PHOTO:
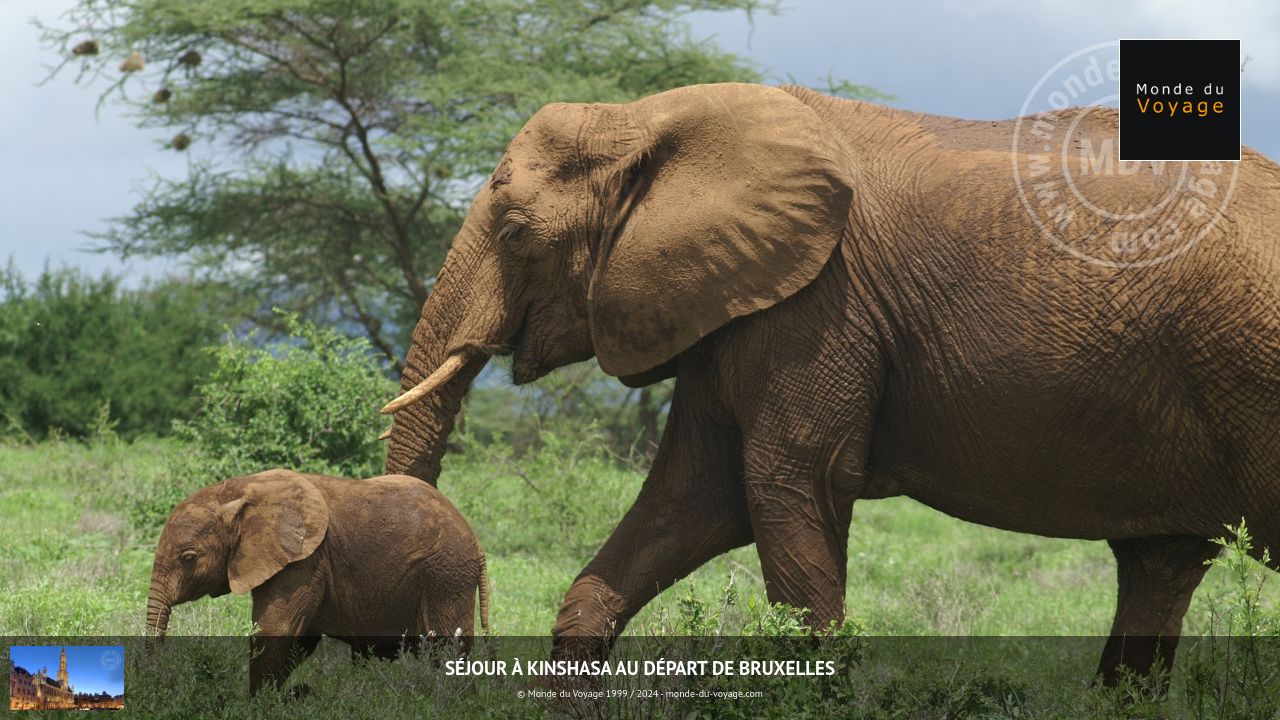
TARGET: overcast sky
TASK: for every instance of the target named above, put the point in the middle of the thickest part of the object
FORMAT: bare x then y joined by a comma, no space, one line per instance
63,172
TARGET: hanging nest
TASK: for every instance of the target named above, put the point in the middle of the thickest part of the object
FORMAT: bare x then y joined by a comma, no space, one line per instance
88,47
190,58
162,96
133,63
181,141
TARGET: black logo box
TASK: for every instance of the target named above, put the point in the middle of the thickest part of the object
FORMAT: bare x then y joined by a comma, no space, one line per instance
1157,73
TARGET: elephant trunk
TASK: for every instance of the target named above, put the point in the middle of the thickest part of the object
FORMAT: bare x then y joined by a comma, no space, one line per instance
451,344
157,614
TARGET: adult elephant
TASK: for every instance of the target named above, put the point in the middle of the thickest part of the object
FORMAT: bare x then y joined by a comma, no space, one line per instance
855,304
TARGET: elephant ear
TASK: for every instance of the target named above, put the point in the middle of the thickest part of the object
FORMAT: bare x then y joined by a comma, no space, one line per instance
733,200
276,517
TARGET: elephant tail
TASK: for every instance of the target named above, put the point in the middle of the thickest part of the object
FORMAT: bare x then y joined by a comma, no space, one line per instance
483,592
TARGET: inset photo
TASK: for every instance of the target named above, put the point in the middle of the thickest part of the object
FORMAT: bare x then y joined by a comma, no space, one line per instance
72,677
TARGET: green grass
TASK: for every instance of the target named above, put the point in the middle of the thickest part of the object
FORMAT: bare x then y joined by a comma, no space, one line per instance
73,562
76,543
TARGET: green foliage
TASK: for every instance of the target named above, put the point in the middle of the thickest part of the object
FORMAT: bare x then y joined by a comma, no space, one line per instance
78,353
761,631
1243,608
309,405
70,563
361,126
1234,669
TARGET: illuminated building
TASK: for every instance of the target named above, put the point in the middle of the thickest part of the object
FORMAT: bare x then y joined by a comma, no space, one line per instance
38,691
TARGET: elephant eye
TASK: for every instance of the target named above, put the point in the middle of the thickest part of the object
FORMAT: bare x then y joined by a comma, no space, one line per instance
509,233
188,557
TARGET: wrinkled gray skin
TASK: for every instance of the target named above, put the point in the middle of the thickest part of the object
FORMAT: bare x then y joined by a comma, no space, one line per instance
855,304
366,561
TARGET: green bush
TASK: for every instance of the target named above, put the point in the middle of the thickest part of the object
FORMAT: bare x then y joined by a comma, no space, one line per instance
309,403
1232,670
71,345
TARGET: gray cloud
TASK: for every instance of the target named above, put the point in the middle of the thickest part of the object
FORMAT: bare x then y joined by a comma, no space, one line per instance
979,59
65,173
61,171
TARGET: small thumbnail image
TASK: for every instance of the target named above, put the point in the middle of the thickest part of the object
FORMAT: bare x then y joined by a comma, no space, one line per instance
70,677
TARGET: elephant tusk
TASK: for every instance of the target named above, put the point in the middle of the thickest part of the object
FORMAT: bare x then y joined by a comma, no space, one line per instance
386,433
442,375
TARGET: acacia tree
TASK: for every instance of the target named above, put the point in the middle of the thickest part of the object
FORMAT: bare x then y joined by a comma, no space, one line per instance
336,142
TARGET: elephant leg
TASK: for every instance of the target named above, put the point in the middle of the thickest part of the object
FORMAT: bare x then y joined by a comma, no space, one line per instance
805,465
690,509
388,650
447,619
450,614
801,527
1156,578
283,609
276,657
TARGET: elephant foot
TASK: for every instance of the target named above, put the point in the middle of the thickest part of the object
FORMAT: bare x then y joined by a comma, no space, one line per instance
592,615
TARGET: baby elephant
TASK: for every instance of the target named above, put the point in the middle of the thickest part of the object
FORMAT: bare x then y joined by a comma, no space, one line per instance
366,561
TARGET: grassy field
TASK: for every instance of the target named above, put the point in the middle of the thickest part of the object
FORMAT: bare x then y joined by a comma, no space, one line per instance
73,561
77,528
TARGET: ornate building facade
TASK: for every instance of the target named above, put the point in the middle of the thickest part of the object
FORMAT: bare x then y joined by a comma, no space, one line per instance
39,691
101,701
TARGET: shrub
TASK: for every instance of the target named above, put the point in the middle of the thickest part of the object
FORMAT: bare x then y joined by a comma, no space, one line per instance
71,345
1232,669
309,403
757,630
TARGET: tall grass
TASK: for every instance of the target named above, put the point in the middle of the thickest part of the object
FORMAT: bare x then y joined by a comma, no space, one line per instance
74,560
